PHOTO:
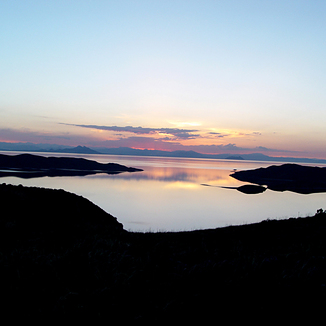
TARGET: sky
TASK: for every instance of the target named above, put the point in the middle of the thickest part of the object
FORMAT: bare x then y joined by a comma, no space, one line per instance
223,76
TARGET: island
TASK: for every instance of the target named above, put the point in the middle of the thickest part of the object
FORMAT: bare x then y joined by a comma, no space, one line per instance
32,166
64,258
292,177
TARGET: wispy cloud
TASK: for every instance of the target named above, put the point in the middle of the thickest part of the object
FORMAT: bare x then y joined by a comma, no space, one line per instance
217,135
177,133
230,133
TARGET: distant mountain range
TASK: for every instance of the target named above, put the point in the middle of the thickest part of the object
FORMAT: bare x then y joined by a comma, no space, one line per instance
31,147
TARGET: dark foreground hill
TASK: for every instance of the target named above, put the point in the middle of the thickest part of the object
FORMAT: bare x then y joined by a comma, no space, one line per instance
62,257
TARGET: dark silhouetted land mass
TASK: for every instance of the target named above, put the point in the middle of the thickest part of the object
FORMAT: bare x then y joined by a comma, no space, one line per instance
64,258
31,166
292,177
248,189
251,189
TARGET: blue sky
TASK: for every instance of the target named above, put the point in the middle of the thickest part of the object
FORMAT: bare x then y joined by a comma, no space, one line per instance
202,75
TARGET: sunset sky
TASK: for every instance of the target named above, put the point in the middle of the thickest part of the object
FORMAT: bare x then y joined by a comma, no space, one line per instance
211,76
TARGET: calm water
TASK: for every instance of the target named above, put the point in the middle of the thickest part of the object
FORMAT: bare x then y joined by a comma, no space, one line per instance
169,194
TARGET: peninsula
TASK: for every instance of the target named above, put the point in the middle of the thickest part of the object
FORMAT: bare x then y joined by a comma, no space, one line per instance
31,166
292,177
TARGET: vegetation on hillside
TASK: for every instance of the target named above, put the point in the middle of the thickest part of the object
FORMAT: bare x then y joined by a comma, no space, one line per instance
63,257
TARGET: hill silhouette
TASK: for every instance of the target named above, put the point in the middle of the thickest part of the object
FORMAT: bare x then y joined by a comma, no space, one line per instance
292,177
30,166
63,258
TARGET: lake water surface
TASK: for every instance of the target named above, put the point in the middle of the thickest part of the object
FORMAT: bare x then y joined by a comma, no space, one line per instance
171,194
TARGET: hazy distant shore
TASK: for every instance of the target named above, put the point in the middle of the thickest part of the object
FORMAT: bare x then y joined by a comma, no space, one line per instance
62,256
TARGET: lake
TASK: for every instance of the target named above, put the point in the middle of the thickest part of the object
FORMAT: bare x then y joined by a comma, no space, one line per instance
172,194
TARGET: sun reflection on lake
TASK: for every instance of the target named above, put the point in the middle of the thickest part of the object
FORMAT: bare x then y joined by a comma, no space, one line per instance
183,185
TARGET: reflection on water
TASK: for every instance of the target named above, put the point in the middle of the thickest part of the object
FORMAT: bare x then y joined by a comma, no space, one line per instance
172,174
169,194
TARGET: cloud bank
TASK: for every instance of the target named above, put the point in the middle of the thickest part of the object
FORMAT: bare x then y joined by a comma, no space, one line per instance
175,132
168,139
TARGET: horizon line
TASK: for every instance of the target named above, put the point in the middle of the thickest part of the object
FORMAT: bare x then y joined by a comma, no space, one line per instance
236,156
